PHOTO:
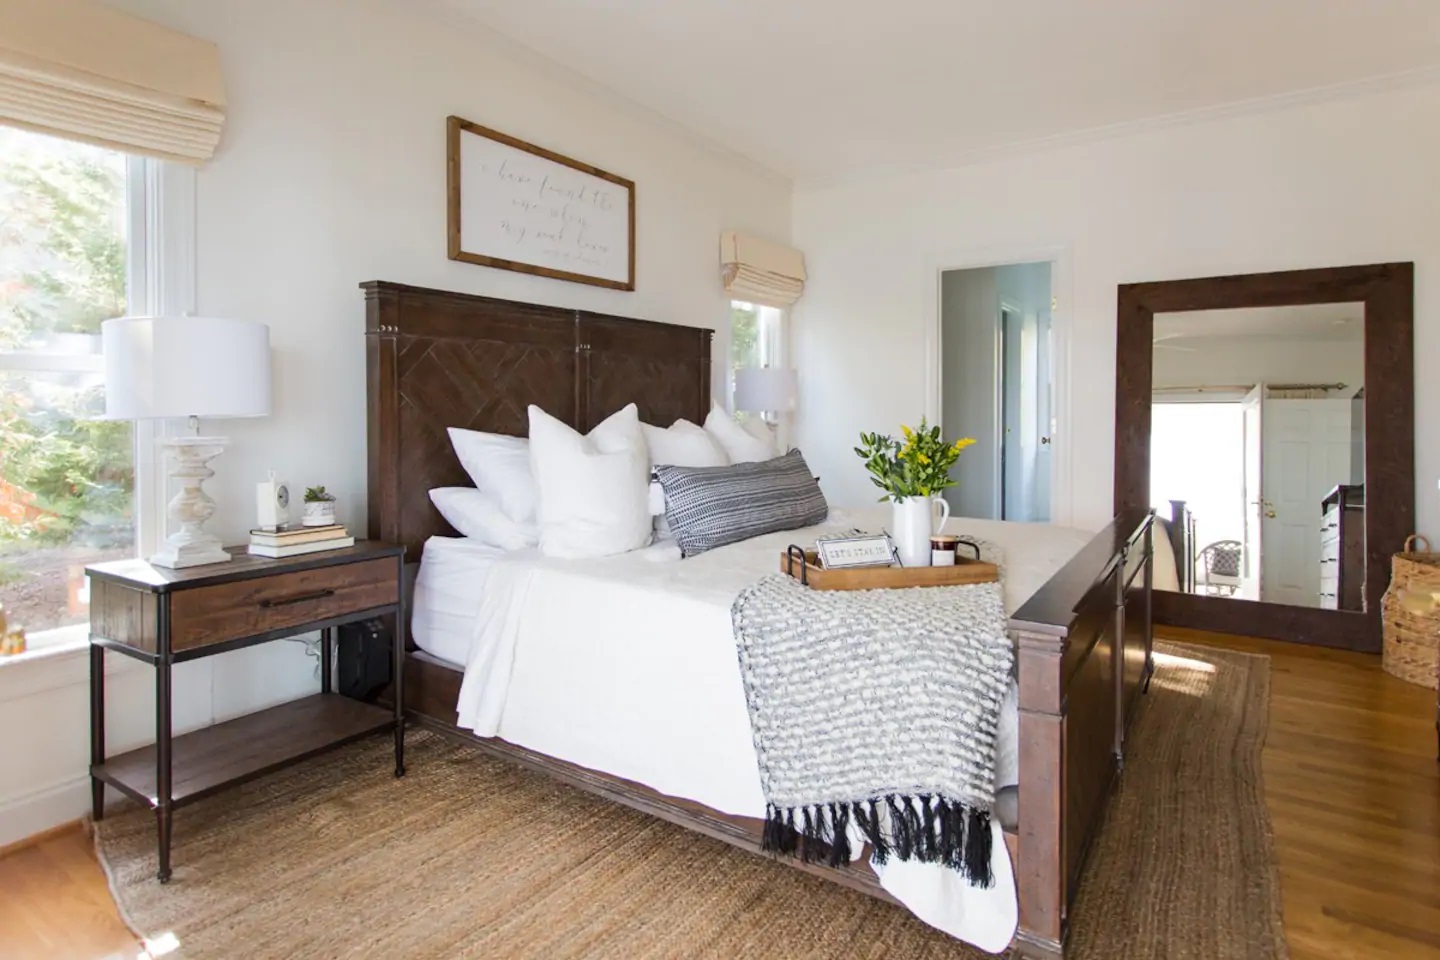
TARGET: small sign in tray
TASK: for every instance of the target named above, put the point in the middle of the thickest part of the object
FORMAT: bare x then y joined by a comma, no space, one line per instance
804,566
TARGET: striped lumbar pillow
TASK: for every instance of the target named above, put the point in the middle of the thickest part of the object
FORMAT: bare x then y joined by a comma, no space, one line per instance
709,507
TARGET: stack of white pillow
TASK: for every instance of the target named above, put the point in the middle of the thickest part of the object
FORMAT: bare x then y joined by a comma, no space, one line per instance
584,496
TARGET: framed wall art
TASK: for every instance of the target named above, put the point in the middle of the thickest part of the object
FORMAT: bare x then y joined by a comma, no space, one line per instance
516,206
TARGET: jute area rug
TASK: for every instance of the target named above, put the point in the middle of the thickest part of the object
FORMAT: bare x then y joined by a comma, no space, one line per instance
473,857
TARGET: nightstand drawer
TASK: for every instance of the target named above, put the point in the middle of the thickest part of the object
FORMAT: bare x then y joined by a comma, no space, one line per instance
244,608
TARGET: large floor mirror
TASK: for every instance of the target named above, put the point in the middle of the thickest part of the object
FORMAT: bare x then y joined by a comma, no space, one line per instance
1268,419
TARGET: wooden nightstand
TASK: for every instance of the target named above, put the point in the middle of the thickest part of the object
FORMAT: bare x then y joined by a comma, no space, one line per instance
164,617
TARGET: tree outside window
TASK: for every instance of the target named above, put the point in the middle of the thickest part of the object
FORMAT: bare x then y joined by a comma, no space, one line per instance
744,335
66,479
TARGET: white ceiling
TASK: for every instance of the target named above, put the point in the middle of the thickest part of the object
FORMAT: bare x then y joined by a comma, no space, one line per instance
833,89
1324,321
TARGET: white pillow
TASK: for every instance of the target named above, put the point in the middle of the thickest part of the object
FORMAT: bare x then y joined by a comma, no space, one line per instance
479,516
761,431
657,513
739,444
594,490
683,444
499,465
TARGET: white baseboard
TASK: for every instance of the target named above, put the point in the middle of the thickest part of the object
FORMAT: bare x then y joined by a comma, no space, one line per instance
40,810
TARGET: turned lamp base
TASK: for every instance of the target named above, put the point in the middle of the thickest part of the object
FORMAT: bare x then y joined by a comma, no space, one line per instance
190,545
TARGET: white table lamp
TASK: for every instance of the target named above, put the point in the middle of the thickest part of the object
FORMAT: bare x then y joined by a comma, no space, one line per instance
765,390
160,368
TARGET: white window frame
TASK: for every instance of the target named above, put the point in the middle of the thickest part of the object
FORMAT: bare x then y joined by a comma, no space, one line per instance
160,281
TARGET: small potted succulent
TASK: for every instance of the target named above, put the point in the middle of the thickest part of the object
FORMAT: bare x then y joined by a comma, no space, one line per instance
319,507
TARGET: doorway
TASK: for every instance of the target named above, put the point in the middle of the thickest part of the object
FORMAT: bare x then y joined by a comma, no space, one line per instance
996,385
1198,460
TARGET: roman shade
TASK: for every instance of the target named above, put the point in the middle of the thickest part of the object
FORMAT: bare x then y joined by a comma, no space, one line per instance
82,70
761,271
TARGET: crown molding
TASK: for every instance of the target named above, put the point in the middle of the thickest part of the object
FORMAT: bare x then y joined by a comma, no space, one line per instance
449,15
1352,89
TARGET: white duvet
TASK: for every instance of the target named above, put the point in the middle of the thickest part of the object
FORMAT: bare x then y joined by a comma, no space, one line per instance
627,665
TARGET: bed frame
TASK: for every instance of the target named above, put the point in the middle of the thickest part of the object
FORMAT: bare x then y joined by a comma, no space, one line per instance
436,359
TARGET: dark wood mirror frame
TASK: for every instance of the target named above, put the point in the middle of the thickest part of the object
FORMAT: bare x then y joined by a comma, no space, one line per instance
1387,290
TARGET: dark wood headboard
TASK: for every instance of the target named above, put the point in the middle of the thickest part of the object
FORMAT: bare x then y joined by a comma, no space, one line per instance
435,359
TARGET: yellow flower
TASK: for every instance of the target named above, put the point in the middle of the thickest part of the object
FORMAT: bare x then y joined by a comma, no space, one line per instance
924,459
963,442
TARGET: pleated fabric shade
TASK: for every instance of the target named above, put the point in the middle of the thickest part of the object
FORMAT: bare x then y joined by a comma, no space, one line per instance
761,271
81,70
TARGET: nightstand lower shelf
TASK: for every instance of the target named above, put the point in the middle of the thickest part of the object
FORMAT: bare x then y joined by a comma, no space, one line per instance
244,748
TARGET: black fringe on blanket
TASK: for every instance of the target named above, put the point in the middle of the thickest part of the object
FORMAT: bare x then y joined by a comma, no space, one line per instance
925,828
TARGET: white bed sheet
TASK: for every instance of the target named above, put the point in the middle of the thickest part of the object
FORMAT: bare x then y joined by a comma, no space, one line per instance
446,599
627,665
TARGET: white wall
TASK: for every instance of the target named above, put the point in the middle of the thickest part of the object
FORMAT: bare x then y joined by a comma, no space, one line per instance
1345,182
331,172
1218,361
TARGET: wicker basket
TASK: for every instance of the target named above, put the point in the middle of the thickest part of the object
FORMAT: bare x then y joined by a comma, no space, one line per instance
1411,615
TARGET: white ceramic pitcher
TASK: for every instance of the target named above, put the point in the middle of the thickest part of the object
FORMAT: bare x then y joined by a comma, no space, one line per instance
912,524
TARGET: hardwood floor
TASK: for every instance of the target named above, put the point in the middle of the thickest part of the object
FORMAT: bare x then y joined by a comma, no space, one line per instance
1351,781
56,905
1353,788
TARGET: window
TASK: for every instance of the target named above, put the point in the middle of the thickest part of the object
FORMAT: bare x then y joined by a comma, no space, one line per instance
756,338
67,480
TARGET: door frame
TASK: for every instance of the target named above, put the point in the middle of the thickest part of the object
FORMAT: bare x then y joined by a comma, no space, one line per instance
1002,406
1388,293
1060,258
1253,544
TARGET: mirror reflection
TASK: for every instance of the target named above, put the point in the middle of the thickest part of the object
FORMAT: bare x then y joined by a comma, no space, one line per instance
1257,465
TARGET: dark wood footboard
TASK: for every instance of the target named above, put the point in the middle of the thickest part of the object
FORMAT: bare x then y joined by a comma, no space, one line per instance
1084,644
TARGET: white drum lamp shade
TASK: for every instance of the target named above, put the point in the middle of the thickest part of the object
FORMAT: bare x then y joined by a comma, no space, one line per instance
162,367
762,389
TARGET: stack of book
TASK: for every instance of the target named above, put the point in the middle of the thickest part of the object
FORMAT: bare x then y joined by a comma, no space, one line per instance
293,540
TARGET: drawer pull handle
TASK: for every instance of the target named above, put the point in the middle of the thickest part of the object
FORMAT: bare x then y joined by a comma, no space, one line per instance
297,598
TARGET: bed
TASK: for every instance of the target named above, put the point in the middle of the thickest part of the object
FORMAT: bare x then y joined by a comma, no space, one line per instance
437,359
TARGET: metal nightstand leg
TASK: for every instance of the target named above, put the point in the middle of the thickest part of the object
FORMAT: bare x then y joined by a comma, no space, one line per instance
163,811
163,740
327,657
397,644
97,729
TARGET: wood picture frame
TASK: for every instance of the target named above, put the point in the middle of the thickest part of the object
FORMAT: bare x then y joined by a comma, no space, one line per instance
1387,291
528,192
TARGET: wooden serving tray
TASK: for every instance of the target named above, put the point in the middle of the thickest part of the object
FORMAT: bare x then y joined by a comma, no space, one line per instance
966,570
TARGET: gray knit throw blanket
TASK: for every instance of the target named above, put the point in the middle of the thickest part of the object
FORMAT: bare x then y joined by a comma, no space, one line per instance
877,709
